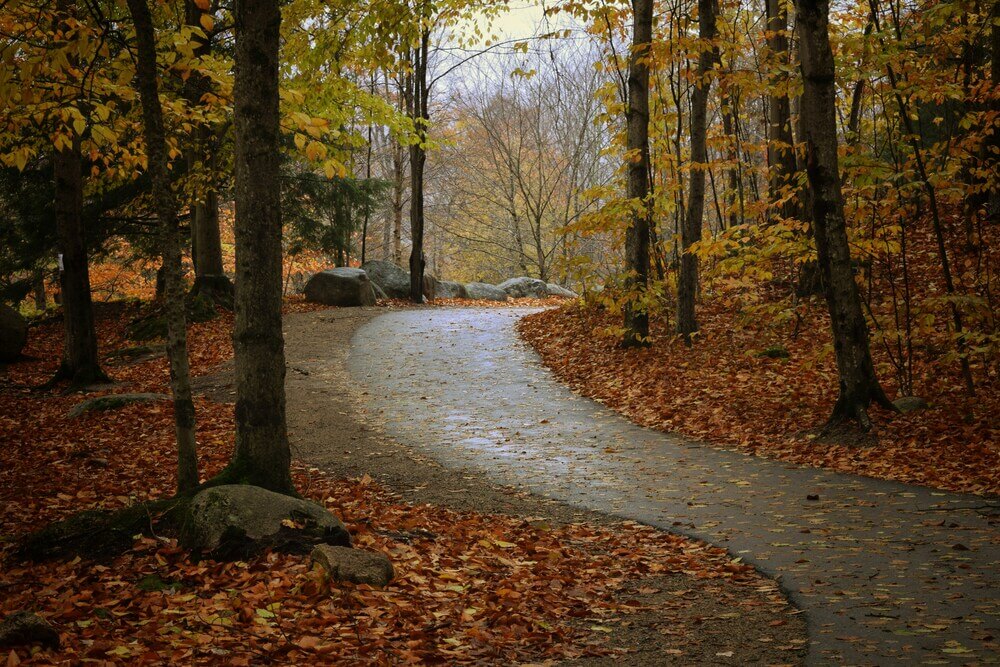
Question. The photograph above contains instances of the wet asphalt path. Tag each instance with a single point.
(887, 573)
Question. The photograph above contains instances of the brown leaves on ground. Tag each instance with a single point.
(725, 391)
(470, 588)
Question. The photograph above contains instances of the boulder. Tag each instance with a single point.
(148, 328)
(355, 565)
(559, 290)
(13, 333)
(485, 292)
(233, 518)
(114, 401)
(908, 404)
(524, 286)
(430, 286)
(393, 280)
(342, 286)
(23, 628)
(450, 290)
(379, 294)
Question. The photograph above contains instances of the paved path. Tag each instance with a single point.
(887, 573)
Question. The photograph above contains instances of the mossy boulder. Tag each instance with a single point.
(449, 290)
(231, 520)
(23, 628)
(13, 333)
(485, 292)
(153, 327)
(774, 352)
(114, 401)
(342, 286)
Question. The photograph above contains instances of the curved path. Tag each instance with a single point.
(886, 572)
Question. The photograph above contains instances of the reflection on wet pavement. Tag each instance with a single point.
(886, 572)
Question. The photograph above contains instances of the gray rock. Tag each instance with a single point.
(485, 292)
(354, 565)
(524, 286)
(220, 515)
(114, 401)
(342, 286)
(23, 628)
(13, 333)
(393, 280)
(908, 404)
(429, 286)
(559, 290)
(450, 290)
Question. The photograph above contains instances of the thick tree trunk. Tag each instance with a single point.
(687, 280)
(262, 455)
(780, 148)
(170, 246)
(418, 157)
(637, 234)
(80, 363)
(206, 238)
(858, 384)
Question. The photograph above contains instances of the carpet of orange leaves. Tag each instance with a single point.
(470, 588)
(724, 392)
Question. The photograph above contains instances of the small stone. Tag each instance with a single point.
(24, 627)
(908, 404)
(355, 565)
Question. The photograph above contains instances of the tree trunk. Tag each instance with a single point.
(38, 287)
(637, 234)
(780, 145)
(262, 456)
(206, 239)
(80, 364)
(166, 210)
(858, 384)
(687, 281)
(418, 157)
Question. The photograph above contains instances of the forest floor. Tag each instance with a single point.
(484, 574)
(728, 391)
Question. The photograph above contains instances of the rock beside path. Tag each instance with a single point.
(13, 333)
(342, 286)
(559, 290)
(23, 628)
(449, 290)
(114, 401)
(231, 519)
(485, 292)
(393, 280)
(523, 287)
(355, 565)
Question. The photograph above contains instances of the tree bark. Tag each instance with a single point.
(80, 364)
(38, 287)
(206, 238)
(170, 246)
(418, 157)
(262, 456)
(687, 280)
(780, 144)
(858, 384)
(637, 233)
